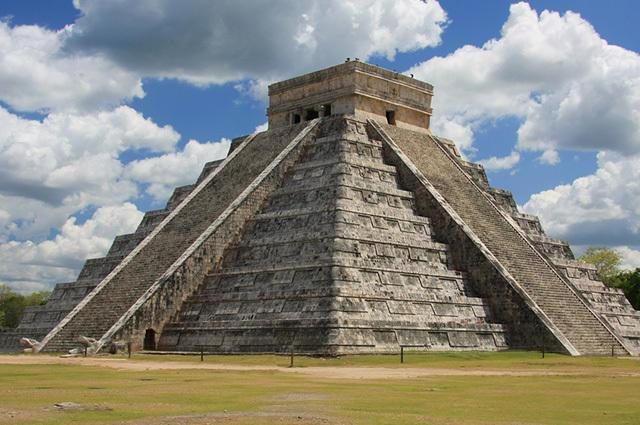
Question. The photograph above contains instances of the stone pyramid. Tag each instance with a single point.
(347, 227)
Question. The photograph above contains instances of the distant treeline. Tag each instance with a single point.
(12, 305)
(629, 282)
(607, 262)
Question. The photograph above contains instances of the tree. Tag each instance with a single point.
(12, 305)
(5, 292)
(629, 282)
(607, 262)
(38, 298)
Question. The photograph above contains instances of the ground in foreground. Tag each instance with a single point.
(460, 388)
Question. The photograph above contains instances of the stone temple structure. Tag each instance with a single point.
(346, 227)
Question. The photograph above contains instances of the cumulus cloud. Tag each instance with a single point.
(55, 167)
(163, 173)
(28, 266)
(570, 88)
(550, 157)
(630, 257)
(210, 43)
(261, 127)
(501, 163)
(598, 209)
(36, 75)
(456, 130)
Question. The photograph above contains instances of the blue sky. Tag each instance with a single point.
(106, 106)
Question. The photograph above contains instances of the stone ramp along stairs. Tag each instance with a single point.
(558, 307)
(149, 285)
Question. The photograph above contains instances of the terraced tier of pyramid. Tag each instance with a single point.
(37, 321)
(336, 261)
(347, 227)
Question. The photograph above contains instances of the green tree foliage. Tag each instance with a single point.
(607, 262)
(629, 282)
(37, 298)
(12, 305)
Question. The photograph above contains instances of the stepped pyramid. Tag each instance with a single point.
(347, 227)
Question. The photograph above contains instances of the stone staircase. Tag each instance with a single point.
(608, 303)
(532, 271)
(191, 213)
(37, 321)
(337, 261)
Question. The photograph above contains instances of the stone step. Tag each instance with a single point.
(345, 182)
(347, 208)
(114, 297)
(536, 276)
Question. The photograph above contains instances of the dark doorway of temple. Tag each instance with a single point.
(149, 340)
(311, 114)
(391, 117)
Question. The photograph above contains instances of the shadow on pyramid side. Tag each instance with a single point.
(347, 227)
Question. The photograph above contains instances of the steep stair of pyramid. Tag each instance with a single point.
(337, 261)
(37, 321)
(114, 298)
(610, 304)
(534, 274)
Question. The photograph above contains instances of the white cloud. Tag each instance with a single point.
(36, 75)
(598, 209)
(28, 266)
(217, 42)
(549, 157)
(569, 86)
(571, 90)
(501, 163)
(52, 168)
(261, 127)
(461, 133)
(163, 173)
(630, 257)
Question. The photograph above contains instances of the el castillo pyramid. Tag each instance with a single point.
(346, 227)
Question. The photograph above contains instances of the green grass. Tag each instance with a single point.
(504, 360)
(601, 394)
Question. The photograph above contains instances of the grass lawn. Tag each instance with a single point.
(560, 390)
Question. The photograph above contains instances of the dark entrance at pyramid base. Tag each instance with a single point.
(149, 340)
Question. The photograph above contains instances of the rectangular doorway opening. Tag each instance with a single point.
(391, 117)
(296, 118)
(311, 114)
(327, 109)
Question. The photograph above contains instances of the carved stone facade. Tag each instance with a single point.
(345, 229)
(356, 89)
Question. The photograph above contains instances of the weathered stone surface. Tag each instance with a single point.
(523, 267)
(336, 262)
(609, 303)
(102, 309)
(37, 321)
(339, 235)
(356, 89)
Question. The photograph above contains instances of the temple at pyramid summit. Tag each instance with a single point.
(346, 227)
